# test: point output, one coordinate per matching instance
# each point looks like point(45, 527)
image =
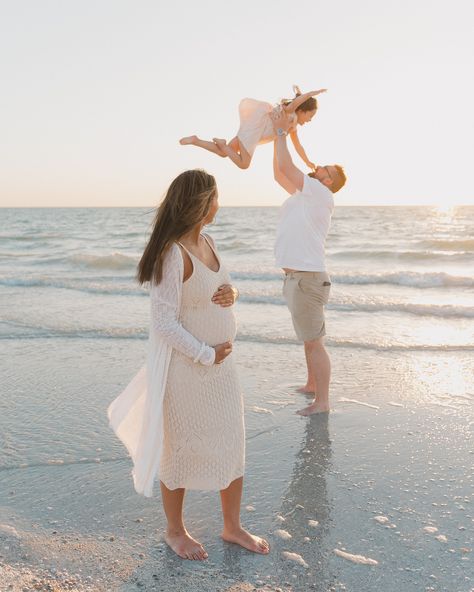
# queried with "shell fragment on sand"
point(313, 523)
point(283, 534)
point(360, 559)
point(294, 557)
point(381, 519)
point(280, 518)
point(345, 400)
point(261, 410)
point(430, 529)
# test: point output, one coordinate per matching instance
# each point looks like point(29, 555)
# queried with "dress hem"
point(193, 487)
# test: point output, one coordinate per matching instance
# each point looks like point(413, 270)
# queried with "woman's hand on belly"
point(225, 295)
point(222, 351)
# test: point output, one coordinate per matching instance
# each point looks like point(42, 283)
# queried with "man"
point(299, 251)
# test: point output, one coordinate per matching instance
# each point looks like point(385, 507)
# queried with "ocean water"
point(403, 278)
point(396, 446)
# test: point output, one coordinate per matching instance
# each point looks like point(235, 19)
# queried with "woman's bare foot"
point(185, 546)
point(188, 140)
point(246, 540)
point(315, 407)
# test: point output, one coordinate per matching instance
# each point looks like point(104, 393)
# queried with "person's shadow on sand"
point(306, 510)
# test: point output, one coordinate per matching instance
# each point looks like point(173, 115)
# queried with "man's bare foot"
point(188, 140)
point(185, 546)
point(246, 540)
point(307, 389)
point(219, 142)
point(315, 407)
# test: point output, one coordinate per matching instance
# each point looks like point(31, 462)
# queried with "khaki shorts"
point(306, 293)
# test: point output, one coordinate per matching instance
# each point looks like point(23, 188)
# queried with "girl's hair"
point(185, 204)
point(310, 104)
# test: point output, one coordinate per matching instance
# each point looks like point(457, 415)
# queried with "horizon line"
point(413, 205)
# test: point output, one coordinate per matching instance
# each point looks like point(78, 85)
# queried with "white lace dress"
point(141, 418)
point(202, 409)
point(256, 126)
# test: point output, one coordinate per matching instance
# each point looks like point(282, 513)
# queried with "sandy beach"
point(375, 496)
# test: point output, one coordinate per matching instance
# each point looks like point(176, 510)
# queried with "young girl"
point(256, 128)
point(181, 418)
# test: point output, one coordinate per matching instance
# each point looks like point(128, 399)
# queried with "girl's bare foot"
point(241, 537)
point(315, 407)
point(188, 140)
point(185, 546)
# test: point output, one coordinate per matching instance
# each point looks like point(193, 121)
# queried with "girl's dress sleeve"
point(165, 299)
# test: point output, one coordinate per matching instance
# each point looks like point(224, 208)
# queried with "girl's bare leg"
point(210, 146)
point(233, 531)
point(235, 151)
point(177, 537)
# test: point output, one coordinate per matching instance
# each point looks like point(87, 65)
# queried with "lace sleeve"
point(165, 298)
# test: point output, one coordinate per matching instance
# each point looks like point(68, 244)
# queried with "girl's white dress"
point(181, 417)
point(256, 125)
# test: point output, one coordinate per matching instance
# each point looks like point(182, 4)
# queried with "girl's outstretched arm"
point(295, 103)
point(300, 150)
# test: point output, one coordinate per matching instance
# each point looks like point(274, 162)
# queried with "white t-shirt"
point(304, 223)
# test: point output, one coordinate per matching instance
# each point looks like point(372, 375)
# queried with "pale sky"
point(96, 93)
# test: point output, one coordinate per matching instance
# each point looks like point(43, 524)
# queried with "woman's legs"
point(233, 531)
point(177, 537)
point(235, 151)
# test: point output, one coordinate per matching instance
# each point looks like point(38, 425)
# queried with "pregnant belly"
point(213, 325)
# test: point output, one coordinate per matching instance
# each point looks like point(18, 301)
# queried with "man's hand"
point(222, 351)
point(226, 295)
point(280, 120)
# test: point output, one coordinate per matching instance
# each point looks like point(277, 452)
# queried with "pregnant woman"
point(181, 417)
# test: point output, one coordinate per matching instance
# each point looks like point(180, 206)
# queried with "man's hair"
point(340, 180)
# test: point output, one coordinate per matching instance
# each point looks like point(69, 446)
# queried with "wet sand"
point(375, 496)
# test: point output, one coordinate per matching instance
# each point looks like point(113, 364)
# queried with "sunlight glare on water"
point(446, 376)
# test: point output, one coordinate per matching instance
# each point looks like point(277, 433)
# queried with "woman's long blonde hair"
point(186, 203)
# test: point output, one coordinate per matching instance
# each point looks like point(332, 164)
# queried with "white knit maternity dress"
point(203, 419)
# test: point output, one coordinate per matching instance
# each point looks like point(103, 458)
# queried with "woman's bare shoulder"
point(210, 239)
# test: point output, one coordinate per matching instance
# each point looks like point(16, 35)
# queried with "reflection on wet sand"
point(306, 510)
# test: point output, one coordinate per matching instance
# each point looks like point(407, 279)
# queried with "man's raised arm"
point(279, 176)
point(294, 176)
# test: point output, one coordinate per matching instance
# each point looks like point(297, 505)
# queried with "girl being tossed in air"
point(256, 128)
